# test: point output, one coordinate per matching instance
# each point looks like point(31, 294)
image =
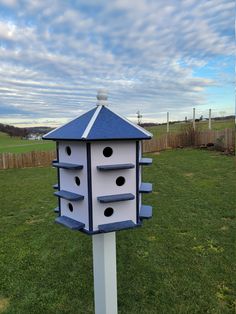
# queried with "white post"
point(104, 273)
point(168, 125)
point(209, 125)
point(194, 125)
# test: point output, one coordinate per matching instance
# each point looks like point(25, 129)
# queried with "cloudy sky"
point(152, 55)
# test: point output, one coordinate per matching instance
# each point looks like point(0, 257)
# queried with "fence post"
point(168, 124)
point(227, 139)
point(4, 161)
point(209, 124)
point(194, 124)
point(167, 140)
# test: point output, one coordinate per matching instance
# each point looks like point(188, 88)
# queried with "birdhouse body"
point(99, 172)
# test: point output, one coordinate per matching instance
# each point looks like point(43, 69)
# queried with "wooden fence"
point(24, 160)
point(38, 159)
point(225, 138)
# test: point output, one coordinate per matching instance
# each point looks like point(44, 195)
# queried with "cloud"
point(150, 55)
point(8, 3)
point(7, 30)
point(10, 110)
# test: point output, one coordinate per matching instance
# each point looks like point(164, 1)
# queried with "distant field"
point(16, 145)
point(159, 130)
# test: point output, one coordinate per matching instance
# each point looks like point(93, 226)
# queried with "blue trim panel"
point(146, 212)
point(117, 226)
point(55, 186)
point(145, 161)
point(64, 165)
point(56, 210)
point(88, 232)
point(137, 182)
point(69, 195)
point(115, 167)
point(89, 178)
point(69, 223)
point(116, 198)
point(145, 188)
point(58, 180)
point(99, 232)
point(95, 140)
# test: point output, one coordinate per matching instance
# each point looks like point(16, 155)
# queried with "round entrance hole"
point(68, 150)
point(70, 206)
point(77, 181)
point(120, 181)
point(107, 151)
point(108, 211)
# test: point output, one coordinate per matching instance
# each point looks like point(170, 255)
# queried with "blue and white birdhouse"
point(99, 160)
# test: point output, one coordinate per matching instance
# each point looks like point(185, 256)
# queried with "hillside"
point(17, 145)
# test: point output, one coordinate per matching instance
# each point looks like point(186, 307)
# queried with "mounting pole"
point(209, 125)
point(104, 273)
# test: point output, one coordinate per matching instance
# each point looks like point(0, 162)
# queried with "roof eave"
point(97, 139)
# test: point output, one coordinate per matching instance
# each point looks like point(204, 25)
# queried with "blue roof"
point(99, 123)
point(74, 128)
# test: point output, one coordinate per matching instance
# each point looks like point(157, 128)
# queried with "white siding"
point(67, 181)
point(104, 182)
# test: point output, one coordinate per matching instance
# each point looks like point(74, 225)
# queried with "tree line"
point(13, 131)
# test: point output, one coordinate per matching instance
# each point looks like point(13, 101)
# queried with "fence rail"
point(39, 159)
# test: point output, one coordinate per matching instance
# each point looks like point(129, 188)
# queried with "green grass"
point(202, 125)
point(181, 261)
point(17, 145)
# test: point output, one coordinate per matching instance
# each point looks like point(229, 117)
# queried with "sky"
point(151, 55)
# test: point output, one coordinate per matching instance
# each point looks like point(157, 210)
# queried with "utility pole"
point(139, 116)
point(209, 121)
point(194, 124)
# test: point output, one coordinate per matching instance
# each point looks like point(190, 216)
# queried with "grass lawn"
point(181, 261)
point(201, 126)
point(16, 145)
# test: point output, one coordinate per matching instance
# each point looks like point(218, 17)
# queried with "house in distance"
point(99, 164)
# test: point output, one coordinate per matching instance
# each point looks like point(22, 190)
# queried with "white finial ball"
point(102, 94)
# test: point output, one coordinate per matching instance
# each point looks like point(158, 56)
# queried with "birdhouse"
point(99, 161)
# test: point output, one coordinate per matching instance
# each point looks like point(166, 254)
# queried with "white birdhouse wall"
point(113, 182)
point(74, 180)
